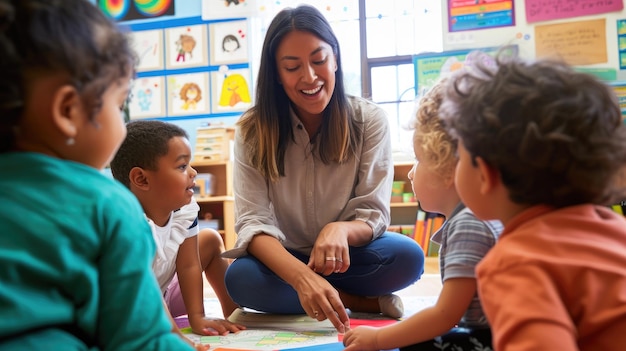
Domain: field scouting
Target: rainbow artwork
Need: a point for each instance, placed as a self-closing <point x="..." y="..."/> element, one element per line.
<point x="153" y="8"/>
<point x="126" y="10"/>
<point x="115" y="9"/>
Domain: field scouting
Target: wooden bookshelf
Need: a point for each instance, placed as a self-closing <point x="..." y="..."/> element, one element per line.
<point x="221" y="204"/>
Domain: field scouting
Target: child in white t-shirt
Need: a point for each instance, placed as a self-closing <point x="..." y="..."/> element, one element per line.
<point x="153" y="162"/>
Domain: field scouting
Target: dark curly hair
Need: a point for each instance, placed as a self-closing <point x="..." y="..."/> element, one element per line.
<point x="555" y="135"/>
<point x="146" y="141"/>
<point x="71" y="36"/>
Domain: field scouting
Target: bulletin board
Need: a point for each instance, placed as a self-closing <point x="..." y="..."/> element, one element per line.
<point x="588" y="34"/>
<point x="191" y="68"/>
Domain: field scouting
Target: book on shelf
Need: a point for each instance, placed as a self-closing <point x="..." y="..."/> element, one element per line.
<point x="427" y="224"/>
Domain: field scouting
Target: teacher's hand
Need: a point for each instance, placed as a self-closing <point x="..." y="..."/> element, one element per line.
<point x="321" y="300"/>
<point x="330" y="253"/>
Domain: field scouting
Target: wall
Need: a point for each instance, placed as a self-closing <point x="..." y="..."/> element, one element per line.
<point x="184" y="9"/>
<point x="580" y="43"/>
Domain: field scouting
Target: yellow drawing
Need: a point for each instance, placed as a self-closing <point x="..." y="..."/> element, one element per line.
<point x="234" y="90"/>
<point x="190" y="94"/>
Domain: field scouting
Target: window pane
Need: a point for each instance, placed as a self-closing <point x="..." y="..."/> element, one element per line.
<point x="384" y="84"/>
<point x="405" y="35"/>
<point x="346" y="32"/>
<point x="381" y="39"/>
<point x="406" y="82"/>
<point x="377" y="8"/>
<point x="392" y="113"/>
<point x="428" y="26"/>
<point x="406" y="118"/>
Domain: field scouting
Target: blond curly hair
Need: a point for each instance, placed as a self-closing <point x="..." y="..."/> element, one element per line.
<point x="430" y="135"/>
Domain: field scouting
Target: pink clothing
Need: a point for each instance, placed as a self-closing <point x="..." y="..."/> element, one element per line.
<point x="556" y="280"/>
<point x="174" y="298"/>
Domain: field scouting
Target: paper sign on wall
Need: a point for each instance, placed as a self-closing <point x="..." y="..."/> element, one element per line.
<point x="545" y="10"/>
<point x="577" y="43"/>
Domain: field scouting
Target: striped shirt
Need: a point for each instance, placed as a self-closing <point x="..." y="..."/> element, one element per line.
<point x="464" y="241"/>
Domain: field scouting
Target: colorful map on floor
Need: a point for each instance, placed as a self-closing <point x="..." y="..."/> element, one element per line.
<point x="264" y="339"/>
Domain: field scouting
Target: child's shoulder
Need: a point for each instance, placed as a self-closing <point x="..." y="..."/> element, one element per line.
<point x="466" y="220"/>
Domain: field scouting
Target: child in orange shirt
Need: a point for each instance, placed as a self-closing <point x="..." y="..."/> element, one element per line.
<point x="541" y="149"/>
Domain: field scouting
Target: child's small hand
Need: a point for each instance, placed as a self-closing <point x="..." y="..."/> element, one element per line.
<point x="202" y="347"/>
<point x="361" y="339"/>
<point x="210" y="326"/>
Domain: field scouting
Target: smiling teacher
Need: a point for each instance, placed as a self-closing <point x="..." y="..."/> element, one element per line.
<point x="312" y="183"/>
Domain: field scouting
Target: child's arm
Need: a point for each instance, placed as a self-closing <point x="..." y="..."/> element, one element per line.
<point x="176" y="330"/>
<point x="189" y="273"/>
<point x="454" y="299"/>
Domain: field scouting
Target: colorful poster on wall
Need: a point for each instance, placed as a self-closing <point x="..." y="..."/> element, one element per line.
<point x="577" y="43"/>
<point x="188" y="94"/>
<point x="479" y="14"/>
<point x="148" y="45"/>
<point x="621" y="42"/>
<point x="186" y="46"/>
<point x="128" y="10"/>
<point x="229" y="42"/>
<point x="231" y="90"/>
<point x="147" y="98"/>
<point x="429" y="68"/>
<point x="620" y="90"/>
<point x="546" y="10"/>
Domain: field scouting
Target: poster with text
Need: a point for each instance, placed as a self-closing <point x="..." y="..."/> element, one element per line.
<point x="547" y="10"/>
<point x="186" y="46"/>
<point x="429" y="68"/>
<point x="479" y="14"/>
<point x="188" y="94"/>
<point x="229" y="42"/>
<point x="576" y="42"/>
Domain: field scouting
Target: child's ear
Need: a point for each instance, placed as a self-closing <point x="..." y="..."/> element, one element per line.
<point x="67" y="110"/>
<point x="138" y="178"/>
<point x="489" y="176"/>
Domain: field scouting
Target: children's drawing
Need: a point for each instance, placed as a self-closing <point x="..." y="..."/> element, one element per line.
<point x="233" y="90"/>
<point x="186" y="46"/>
<point x="187" y="94"/>
<point x="229" y="42"/>
<point x="148" y="45"/>
<point x="220" y="9"/>
<point x="147" y="98"/>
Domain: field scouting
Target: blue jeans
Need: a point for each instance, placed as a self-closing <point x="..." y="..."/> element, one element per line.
<point x="387" y="264"/>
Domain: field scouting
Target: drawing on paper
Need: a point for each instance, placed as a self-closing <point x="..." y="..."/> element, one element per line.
<point x="230" y="42"/>
<point x="186" y="47"/>
<point x="148" y="46"/>
<point x="147" y="98"/>
<point x="233" y="88"/>
<point x="187" y="94"/>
